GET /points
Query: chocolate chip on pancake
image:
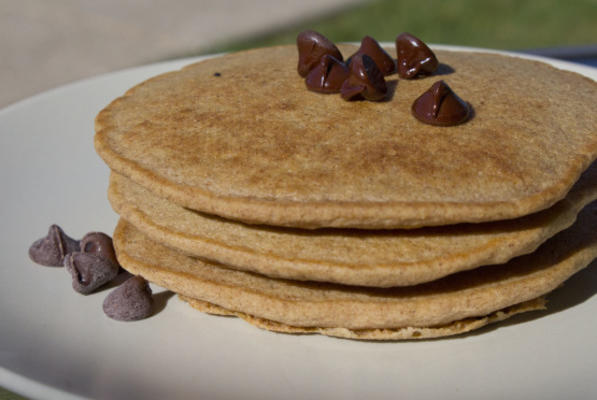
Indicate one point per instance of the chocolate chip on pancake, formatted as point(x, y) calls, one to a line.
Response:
point(382, 59)
point(439, 105)
point(365, 80)
point(415, 58)
point(311, 47)
point(328, 76)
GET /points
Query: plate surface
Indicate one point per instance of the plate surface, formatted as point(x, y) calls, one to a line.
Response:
point(55, 343)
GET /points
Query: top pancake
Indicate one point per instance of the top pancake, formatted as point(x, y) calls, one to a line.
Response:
point(253, 144)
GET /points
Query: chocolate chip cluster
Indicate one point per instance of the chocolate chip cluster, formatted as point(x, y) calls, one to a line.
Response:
point(362, 75)
point(92, 263)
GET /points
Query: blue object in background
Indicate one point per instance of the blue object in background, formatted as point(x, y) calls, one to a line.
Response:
point(586, 55)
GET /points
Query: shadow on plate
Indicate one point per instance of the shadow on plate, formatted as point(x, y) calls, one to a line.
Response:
point(160, 300)
point(576, 290)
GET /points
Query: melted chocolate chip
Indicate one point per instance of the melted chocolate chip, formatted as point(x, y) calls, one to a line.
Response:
point(414, 57)
point(89, 271)
point(365, 80)
point(440, 106)
point(52, 249)
point(130, 301)
point(371, 47)
point(311, 47)
point(327, 76)
point(99, 244)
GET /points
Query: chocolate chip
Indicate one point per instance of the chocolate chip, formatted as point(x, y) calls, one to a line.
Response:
point(365, 80)
point(99, 244)
point(311, 47)
point(89, 271)
point(130, 301)
point(414, 57)
point(327, 76)
point(52, 249)
point(382, 59)
point(439, 105)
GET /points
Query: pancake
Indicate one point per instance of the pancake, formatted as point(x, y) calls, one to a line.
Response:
point(241, 137)
point(450, 329)
point(353, 257)
point(469, 294)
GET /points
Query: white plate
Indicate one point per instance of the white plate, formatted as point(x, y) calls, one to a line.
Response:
point(55, 343)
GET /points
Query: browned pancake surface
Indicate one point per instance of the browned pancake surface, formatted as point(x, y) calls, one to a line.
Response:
point(406, 333)
point(467, 294)
point(253, 144)
point(356, 257)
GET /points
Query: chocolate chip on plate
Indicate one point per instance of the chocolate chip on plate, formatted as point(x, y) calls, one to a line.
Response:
point(89, 271)
point(130, 301)
point(51, 249)
point(99, 244)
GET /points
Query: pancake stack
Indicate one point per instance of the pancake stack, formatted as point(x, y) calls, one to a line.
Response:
point(299, 212)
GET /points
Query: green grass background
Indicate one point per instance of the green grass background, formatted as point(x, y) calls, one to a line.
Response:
point(506, 24)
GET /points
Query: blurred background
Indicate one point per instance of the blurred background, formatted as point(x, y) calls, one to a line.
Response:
point(44, 44)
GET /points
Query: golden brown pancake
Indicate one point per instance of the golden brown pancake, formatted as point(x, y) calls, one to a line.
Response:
point(449, 329)
point(241, 137)
point(470, 294)
point(354, 257)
